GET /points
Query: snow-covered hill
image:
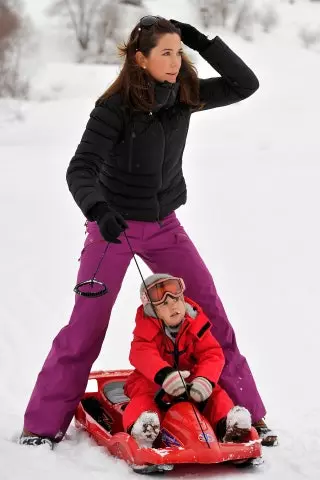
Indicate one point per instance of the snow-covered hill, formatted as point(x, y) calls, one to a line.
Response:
point(253, 175)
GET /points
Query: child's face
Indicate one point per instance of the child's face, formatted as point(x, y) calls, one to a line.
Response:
point(172, 311)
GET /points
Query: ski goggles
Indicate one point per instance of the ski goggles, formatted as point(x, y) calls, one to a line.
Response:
point(157, 292)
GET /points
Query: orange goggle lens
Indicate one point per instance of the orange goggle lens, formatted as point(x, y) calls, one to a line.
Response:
point(159, 290)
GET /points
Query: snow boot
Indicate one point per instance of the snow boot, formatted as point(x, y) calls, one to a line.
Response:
point(28, 438)
point(238, 425)
point(269, 437)
point(146, 429)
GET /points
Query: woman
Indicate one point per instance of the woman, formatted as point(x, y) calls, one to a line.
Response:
point(127, 175)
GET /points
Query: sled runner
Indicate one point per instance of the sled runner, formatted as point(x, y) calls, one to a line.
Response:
point(183, 439)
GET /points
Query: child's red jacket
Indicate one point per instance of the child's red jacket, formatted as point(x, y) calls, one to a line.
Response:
point(152, 352)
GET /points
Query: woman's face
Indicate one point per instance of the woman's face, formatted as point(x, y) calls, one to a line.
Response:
point(172, 311)
point(164, 60)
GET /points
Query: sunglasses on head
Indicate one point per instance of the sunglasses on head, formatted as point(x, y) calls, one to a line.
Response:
point(147, 22)
point(157, 292)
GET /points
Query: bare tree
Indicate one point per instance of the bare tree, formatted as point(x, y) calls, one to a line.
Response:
point(206, 17)
point(136, 3)
point(106, 25)
point(244, 19)
point(309, 36)
point(9, 21)
point(215, 12)
point(13, 38)
point(81, 17)
point(224, 8)
point(268, 17)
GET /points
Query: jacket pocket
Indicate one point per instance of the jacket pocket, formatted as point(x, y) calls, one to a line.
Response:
point(94, 237)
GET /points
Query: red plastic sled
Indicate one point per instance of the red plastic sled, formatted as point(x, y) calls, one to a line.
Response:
point(182, 440)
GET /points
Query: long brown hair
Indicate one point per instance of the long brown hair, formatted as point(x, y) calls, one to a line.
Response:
point(133, 82)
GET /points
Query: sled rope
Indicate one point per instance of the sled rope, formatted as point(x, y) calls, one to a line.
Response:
point(93, 281)
point(100, 261)
point(166, 339)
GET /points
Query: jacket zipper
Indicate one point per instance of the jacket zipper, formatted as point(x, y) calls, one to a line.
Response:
point(164, 156)
point(132, 137)
point(176, 347)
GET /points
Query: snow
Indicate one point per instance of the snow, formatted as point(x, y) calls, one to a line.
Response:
point(253, 211)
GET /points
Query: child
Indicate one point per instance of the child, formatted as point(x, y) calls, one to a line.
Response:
point(172, 341)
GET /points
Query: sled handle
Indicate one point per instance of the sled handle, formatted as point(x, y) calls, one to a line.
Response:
point(102, 288)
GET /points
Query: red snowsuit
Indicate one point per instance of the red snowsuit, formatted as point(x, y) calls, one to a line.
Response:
point(152, 350)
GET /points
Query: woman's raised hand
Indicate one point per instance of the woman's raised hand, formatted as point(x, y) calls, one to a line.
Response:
point(191, 37)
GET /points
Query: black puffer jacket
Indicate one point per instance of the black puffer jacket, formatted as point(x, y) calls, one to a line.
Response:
point(134, 162)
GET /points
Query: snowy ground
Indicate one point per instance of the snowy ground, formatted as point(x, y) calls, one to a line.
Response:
point(253, 175)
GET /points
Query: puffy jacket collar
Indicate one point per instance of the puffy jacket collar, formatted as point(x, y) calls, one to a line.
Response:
point(165, 95)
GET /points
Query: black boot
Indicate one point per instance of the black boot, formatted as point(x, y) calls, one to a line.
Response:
point(35, 440)
point(269, 437)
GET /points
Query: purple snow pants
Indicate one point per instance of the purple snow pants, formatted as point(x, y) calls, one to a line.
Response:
point(165, 248)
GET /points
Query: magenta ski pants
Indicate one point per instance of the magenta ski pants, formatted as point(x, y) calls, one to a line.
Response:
point(166, 248)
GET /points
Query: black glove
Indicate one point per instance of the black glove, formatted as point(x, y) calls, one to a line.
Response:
point(191, 37)
point(110, 222)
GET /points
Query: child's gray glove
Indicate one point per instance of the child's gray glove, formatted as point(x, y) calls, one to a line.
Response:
point(173, 384)
point(201, 389)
